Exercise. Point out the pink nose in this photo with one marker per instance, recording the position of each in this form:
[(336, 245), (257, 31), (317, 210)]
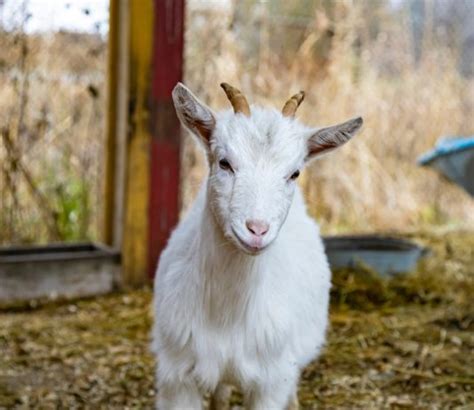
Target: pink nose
[(257, 227)]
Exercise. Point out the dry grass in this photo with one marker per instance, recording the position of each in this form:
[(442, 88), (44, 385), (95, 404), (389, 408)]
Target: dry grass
[(51, 136), (402, 343), (352, 58), (374, 182)]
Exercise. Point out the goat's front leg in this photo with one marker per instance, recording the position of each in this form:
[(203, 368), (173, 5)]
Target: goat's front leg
[(278, 399), (220, 398), (293, 404), (179, 396), (279, 395)]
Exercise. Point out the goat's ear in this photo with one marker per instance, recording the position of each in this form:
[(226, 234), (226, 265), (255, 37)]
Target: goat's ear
[(193, 114), (326, 139)]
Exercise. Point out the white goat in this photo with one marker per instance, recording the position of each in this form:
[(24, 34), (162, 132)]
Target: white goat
[(242, 289)]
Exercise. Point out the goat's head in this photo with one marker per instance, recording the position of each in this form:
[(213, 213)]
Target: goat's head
[(255, 156)]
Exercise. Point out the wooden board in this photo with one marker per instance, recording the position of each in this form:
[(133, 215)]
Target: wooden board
[(143, 138)]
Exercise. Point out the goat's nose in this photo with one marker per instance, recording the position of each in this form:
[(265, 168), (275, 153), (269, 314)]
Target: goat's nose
[(257, 227)]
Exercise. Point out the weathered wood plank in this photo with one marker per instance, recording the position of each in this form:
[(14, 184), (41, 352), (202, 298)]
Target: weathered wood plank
[(136, 223)]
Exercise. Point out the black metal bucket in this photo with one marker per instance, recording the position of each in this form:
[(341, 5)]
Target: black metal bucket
[(385, 255)]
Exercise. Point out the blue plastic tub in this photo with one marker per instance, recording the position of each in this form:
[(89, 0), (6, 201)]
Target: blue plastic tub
[(454, 158)]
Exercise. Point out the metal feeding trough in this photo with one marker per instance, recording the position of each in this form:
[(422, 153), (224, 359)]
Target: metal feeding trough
[(63, 271), (385, 255), (454, 158)]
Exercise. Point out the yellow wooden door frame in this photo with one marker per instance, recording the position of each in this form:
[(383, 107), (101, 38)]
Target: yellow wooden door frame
[(128, 135)]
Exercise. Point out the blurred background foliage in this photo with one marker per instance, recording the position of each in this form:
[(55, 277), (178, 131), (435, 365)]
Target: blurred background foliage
[(52, 104), (406, 66)]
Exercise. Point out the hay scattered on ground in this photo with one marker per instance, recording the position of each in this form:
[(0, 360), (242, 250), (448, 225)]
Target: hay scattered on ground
[(405, 343)]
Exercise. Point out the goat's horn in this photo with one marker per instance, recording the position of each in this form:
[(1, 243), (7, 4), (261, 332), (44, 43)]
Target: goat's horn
[(237, 99), (292, 104)]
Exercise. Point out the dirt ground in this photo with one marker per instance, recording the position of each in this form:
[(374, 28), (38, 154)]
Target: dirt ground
[(407, 343)]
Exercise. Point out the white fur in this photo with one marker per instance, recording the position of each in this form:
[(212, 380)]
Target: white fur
[(224, 313)]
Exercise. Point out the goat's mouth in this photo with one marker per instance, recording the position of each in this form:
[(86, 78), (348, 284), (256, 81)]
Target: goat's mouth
[(252, 250)]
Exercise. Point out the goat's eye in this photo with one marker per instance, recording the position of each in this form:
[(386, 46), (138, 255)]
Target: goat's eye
[(224, 164), (295, 175)]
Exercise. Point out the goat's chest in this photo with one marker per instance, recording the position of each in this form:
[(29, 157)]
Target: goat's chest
[(236, 337), (235, 353)]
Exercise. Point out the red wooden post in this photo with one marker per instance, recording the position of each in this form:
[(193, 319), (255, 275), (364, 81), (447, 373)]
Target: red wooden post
[(167, 70)]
